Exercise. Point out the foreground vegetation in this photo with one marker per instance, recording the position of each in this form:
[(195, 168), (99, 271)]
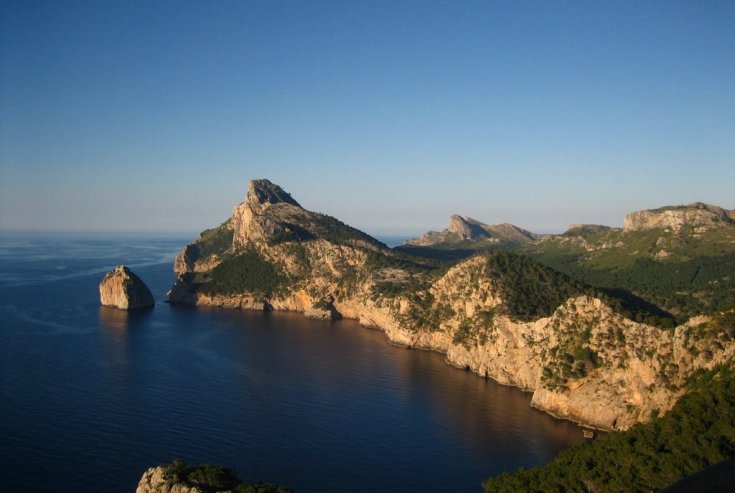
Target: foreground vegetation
[(698, 432), (211, 478)]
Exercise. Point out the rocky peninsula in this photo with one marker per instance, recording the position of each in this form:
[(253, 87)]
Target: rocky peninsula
[(582, 352)]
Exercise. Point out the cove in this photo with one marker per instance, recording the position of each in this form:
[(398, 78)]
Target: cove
[(93, 396)]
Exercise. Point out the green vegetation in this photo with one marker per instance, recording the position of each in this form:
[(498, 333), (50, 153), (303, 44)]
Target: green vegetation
[(211, 478), (585, 354), (653, 272), (296, 224), (335, 231), (696, 276), (454, 251), (698, 432), (245, 272), (215, 241), (477, 329), (425, 313), (572, 358), (418, 272), (532, 290)]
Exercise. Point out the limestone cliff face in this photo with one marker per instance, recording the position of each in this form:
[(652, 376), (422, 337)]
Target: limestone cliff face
[(462, 228), (465, 229), (696, 214), (122, 289), (583, 362), (636, 369)]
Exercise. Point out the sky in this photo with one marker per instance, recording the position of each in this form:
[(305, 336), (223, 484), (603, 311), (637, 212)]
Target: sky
[(391, 116)]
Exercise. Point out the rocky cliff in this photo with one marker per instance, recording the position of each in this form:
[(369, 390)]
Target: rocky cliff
[(501, 315), (697, 214), (465, 228), (120, 288)]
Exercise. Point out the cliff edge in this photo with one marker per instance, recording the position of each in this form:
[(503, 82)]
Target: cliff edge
[(675, 218)]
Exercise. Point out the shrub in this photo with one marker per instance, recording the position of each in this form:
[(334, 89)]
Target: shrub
[(211, 478), (245, 272)]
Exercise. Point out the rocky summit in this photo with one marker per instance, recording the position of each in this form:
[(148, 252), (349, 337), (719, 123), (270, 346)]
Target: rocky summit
[(120, 288), (591, 355), (697, 214)]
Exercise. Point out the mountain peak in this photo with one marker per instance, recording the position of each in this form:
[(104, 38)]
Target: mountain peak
[(261, 192), (465, 227)]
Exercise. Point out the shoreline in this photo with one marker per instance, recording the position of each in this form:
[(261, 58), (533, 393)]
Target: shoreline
[(270, 308)]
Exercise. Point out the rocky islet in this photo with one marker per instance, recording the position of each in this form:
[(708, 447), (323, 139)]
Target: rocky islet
[(121, 288)]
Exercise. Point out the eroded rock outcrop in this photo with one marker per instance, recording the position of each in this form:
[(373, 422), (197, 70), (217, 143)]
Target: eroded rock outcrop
[(120, 288), (674, 218)]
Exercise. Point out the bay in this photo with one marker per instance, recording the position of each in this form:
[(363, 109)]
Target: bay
[(91, 396)]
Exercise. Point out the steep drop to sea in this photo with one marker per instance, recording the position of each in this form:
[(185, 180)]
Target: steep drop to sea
[(497, 314)]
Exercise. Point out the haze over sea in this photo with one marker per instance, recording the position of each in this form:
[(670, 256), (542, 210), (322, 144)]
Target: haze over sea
[(90, 396)]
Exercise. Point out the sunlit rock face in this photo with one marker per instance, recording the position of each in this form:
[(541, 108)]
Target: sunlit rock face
[(696, 214), (463, 228), (120, 288)]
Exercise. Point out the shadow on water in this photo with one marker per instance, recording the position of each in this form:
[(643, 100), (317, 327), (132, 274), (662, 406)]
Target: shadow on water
[(120, 320)]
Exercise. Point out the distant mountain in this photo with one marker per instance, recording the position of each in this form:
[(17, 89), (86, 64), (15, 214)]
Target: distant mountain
[(681, 258), (697, 215), (466, 229)]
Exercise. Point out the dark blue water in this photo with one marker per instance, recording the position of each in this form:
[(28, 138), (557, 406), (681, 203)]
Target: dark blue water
[(90, 396)]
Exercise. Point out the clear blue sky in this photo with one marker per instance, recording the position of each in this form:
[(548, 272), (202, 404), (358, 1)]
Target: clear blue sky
[(153, 116)]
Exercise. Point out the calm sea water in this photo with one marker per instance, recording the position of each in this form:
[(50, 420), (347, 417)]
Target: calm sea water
[(90, 396)]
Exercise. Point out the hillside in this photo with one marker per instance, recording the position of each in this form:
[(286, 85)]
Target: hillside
[(587, 354), (679, 258)]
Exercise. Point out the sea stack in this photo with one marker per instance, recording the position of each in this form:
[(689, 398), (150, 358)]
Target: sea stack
[(120, 288)]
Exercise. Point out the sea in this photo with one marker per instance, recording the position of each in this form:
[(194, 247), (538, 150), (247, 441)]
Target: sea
[(90, 396)]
